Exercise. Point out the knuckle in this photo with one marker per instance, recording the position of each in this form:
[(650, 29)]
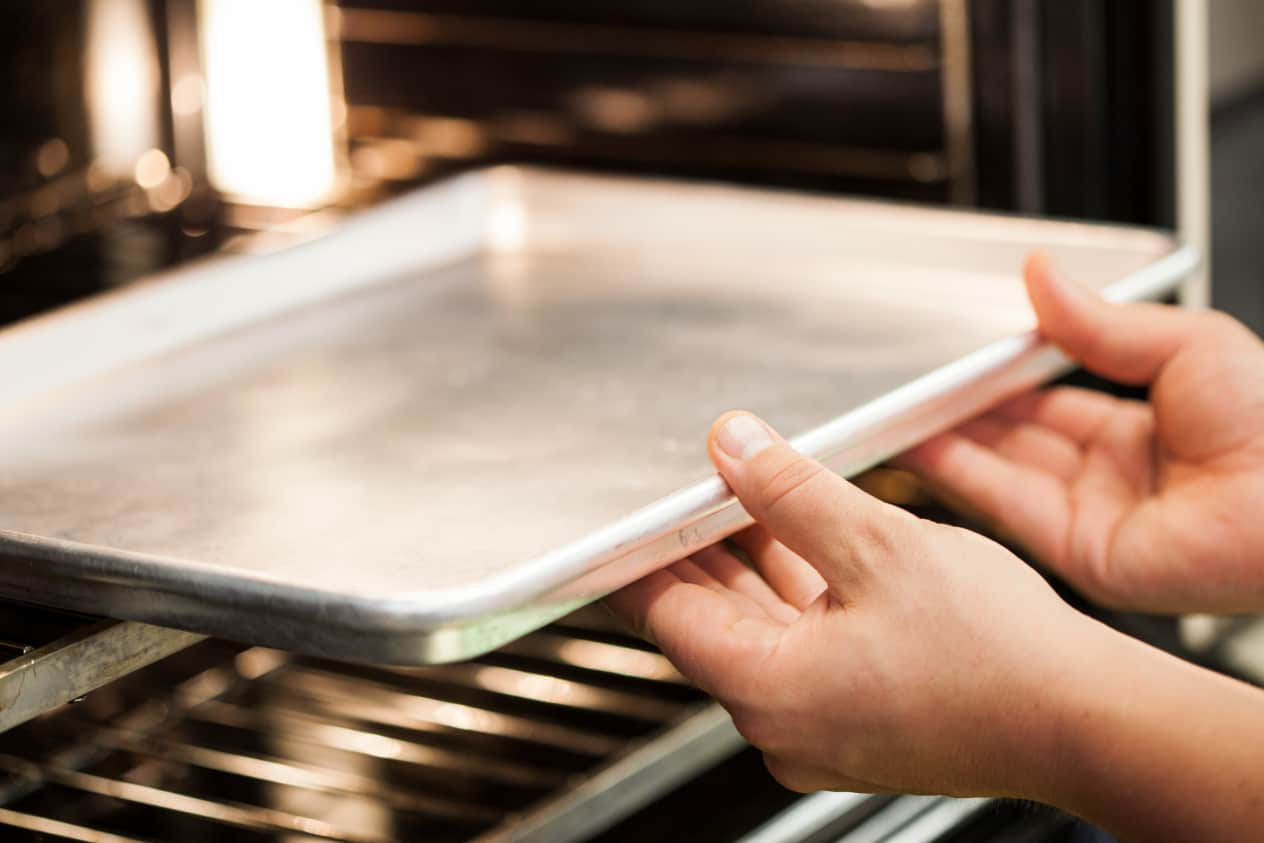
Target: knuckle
[(883, 539), (749, 671), (760, 731), (787, 482), (787, 774), (1086, 338), (874, 539), (750, 726)]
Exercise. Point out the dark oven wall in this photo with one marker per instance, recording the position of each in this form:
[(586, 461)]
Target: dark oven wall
[(1073, 108), (818, 94), (1057, 107), (1040, 106)]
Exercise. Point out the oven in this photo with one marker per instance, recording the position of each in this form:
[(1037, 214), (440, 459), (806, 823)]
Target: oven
[(141, 134)]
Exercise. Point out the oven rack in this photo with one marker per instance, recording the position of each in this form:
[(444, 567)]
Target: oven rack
[(54, 657), (552, 738)]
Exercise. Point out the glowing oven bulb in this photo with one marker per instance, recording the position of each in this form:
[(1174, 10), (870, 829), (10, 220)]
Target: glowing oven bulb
[(269, 132)]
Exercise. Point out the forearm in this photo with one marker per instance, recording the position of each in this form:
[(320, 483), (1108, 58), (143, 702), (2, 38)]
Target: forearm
[(1154, 748)]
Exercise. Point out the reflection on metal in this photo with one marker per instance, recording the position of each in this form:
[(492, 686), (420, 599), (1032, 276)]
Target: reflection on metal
[(392, 158), (269, 124), (892, 819), (51, 157), (228, 742), (616, 110), (252, 818), (557, 691), (152, 168), (386, 27), (1193, 141), (811, 817), (943, 816), (865, 818), (129, 175), (293, 774), (378, 703), (297, 728), (187, 94), (891, 5), (448, 137), (956, 86), (121, 84), (701, 741), (81, 662), (59, 829), (597, 655), (1026, 99)]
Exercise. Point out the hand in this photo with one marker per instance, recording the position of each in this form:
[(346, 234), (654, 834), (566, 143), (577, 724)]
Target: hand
[(1152, 506), (868, 650)]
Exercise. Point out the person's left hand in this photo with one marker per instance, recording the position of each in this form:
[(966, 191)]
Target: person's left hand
[(870, 650)]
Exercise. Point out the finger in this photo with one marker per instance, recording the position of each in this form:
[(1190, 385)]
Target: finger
[(794, 580), (692, 571), (1078, 414), (727, 569), (689, 571), (1030, 504), (804, 778), (705, 635), (844, 533), (631, 603), (1129, 343), (1026, 444)]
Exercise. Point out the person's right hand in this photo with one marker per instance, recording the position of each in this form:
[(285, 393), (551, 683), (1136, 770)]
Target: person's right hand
[(1157, 505)]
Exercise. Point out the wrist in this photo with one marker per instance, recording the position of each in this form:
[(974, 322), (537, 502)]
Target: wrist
[(1079, 695), (1134, 749)]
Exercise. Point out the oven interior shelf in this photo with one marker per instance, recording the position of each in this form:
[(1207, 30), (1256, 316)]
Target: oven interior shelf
[(53, 657), (551, 738)]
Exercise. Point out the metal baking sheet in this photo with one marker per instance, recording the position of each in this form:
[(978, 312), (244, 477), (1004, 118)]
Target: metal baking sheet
[(463, 413)]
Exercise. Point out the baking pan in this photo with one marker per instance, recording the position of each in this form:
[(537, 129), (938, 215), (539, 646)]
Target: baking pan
[(461, 414)]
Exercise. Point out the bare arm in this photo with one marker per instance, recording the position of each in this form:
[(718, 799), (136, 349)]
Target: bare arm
[(1160, 749)]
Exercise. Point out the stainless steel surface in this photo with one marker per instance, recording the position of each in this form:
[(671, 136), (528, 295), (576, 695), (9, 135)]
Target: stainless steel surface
[(463, 414), (549, 739), (941, 817), (640, 777), (891, 820), (866, 818), (811, 817), (957, 93), (839, 96), (79, 662)]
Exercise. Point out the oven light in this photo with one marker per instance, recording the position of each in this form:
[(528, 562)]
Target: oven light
[(268, 115), (122, 84)]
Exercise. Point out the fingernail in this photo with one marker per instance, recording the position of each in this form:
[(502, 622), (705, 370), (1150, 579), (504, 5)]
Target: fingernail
[(742, 437)]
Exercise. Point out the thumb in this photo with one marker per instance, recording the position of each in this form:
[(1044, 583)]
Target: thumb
[(841, 531), (1129, 343)]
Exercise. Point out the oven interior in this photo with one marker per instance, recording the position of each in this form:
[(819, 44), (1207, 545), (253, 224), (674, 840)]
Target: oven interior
[(579, 731)]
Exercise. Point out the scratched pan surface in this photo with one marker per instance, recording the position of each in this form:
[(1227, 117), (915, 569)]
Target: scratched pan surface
[(463, 413)]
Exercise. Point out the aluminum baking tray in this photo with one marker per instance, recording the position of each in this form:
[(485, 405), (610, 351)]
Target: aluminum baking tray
[(461, 414)]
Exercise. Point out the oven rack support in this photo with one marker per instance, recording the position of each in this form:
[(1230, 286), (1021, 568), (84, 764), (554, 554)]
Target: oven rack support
[(81, 660)]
